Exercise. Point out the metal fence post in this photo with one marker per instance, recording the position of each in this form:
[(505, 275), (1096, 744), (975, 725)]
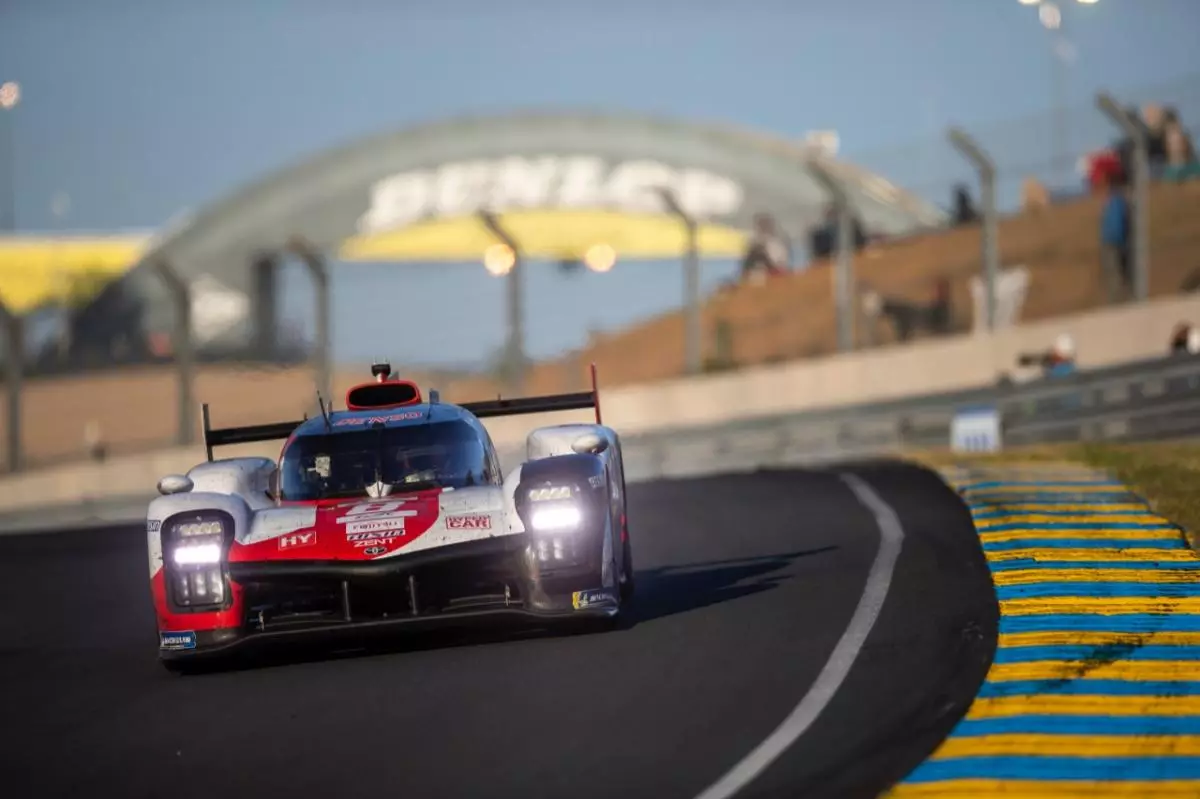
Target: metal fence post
[(14, 345), (843, 272), (1133, 128), (990, 239), (692, 333), (514, 360), (183, 347), (314, 260)]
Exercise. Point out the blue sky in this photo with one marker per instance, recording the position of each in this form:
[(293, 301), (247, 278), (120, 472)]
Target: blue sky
[(137, 109)]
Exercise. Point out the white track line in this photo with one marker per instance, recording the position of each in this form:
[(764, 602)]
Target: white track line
[(879, 579)]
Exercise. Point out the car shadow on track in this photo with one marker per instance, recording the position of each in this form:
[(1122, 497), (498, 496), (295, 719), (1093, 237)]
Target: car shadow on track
[(661, 592), (679, 589)]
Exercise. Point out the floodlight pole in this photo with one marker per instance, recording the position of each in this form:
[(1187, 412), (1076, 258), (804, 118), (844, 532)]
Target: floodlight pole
[(314, 260), (691, 282), (1141, 191), (985, 167), (14, 341), (514, 355), (843, 272), (183, 347)]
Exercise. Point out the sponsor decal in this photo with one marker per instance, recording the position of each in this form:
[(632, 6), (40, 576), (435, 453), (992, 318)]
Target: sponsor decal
[(375, 526), (294, 540), (545, 181), (153, 525), (374, 511), (374, 551), (476, 521), (373, 539), (177, 640), (591, 598), (391, 417), (596, 480)]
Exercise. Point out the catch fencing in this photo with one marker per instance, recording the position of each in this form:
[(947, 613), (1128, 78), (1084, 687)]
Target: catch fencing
[(995, 161), (1149, 400)]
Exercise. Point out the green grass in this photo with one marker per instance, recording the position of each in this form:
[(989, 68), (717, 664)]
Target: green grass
[(1167, 475)]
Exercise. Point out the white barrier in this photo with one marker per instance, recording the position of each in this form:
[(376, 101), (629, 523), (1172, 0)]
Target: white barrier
[(1103, 338)]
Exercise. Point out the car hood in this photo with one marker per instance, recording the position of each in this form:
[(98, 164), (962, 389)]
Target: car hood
[(368, 529)]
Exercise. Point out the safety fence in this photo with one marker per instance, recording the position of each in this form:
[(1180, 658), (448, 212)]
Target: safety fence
[(1019, 255), (1148, 400), (1144, 401), (1025, 198)]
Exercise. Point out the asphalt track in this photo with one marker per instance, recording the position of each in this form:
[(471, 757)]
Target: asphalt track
[(746, 583)]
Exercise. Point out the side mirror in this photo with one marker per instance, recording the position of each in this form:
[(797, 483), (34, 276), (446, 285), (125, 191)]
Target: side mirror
[(590, 443), (175, 484)]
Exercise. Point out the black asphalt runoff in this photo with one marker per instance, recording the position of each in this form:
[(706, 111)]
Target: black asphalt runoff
[(745, 584)]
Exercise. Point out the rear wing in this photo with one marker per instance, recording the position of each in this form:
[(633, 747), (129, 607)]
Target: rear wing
[(275, 431), (278, 431), (544, 404)]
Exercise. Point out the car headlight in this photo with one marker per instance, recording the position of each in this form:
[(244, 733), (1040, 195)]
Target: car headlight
[(552, 509), (563, 517), (550, 493), (197, 575), (197, 554)]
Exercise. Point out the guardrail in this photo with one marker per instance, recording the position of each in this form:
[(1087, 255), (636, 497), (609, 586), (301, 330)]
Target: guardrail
[(1146, 400)]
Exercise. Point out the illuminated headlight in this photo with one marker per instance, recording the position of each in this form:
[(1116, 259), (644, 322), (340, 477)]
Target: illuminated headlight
[(196, 554), (195, 548), (199, 528), (544, 494), (564, 517)]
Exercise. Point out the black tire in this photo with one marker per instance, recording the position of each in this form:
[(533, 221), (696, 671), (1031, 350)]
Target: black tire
[(626, 585)]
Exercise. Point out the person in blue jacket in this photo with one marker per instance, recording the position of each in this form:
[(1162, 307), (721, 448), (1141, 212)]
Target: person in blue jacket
[(1115, 235)]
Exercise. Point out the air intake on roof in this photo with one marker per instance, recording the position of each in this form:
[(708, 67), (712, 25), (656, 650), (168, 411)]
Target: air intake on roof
[(390, 394)]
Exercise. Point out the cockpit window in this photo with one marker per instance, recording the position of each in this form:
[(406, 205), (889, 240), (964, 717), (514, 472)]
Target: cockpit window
[(380, 461)]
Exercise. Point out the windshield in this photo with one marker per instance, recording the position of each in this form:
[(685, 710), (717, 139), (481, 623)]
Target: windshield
[(380, 461)]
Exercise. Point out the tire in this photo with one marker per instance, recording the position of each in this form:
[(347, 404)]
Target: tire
[(626, 585)]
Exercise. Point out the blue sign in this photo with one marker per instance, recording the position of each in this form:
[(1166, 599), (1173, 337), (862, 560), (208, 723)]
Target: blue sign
[(177, 640), (976, 430)]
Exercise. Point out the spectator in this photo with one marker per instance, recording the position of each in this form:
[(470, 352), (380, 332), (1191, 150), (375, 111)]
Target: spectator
[(823, 238), (1103, 168), (1115, 243), (1182, 163), (909, 318), (1185, 340), (1155, 118), (1034, 195), (768, 253), (964, 209), (1058, 361), (1061, 360)]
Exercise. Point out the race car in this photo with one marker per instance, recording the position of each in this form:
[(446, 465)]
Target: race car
[(391, 513)]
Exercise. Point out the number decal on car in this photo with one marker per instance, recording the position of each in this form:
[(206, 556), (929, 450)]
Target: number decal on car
[(375, 508)]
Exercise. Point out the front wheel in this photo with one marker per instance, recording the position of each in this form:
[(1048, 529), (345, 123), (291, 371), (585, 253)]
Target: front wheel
[(626, 582)]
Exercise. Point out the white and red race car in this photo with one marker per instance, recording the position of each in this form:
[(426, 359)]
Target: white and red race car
[(391, 513)]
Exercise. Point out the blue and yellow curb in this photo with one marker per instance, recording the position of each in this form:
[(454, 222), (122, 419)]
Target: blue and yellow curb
[(1094, 690)]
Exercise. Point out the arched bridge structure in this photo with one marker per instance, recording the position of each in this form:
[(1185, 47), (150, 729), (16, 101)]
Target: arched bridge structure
[(415, 195), (552, 183)]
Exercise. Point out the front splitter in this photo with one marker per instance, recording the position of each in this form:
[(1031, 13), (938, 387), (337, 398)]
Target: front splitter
[(209, 643)]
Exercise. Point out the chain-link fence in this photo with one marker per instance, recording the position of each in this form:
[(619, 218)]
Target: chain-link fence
[(1028, 220)]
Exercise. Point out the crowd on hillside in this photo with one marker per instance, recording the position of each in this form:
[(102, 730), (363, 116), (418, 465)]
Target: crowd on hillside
[(1172, 151), (1105, 172)]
